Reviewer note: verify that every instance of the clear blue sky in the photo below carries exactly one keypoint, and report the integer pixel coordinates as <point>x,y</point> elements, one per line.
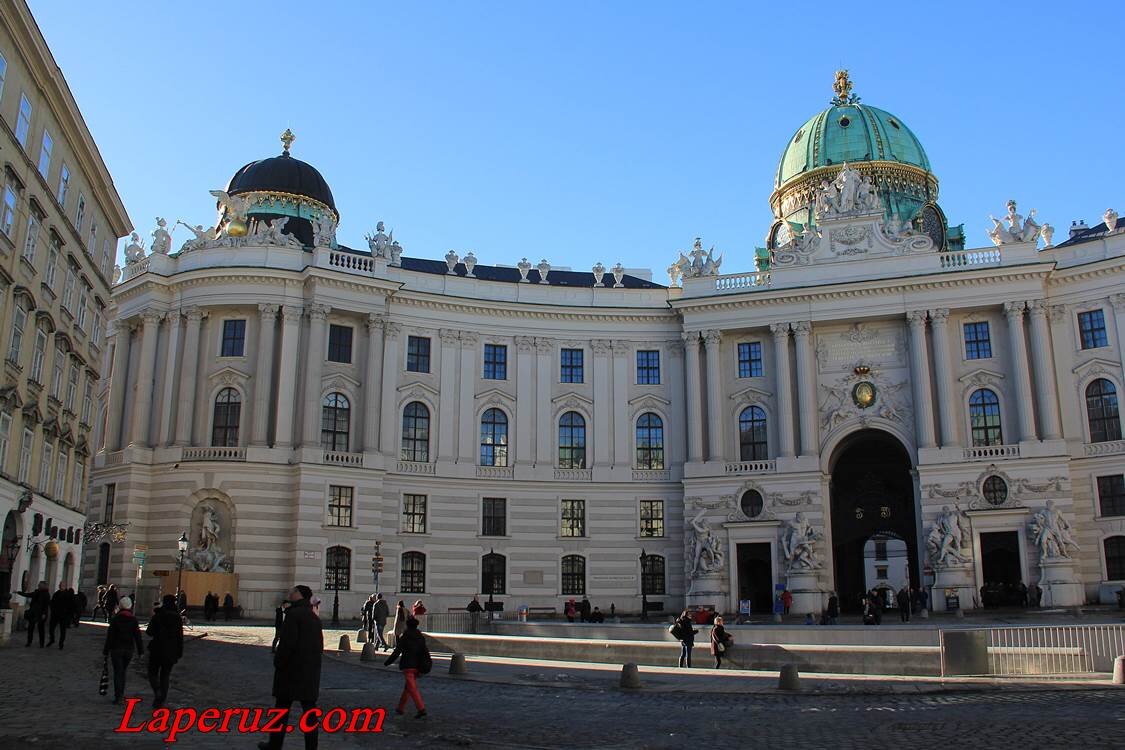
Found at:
<point>586,131</point>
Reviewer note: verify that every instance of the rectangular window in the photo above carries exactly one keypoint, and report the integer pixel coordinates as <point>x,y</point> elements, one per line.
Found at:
<point>340,344</point>
<point>68,290</point>
<point>414,514</point>
<point>45,467</point>
<point>750,359</point>
<point>8,215</point>
<point>60,475</point>
<point>52,266</point>
<point>83,303</point>
<point>80,213</point>
<point>648,367</point>
<point>1091,325</point>
<point>881,572</point>
<point>417,354</point>
<point>19,320</point>
<point>3,73</point>
<point>234,338</point>
<point>23,120</point>
<point>45,154</point>
<point>340,505</point>
<point>25,455</point>
<point>107,253</point>
<point>978,341</point>
<point>57,375</point>
<point>39,355</point>
<point>32,241</point>
<point>92,240</point>
<point>96,329</point>
<point>880,550</point>
<point>71,388</point>
<point>652,518</point>
<point>573,518</point>
<point>495,362</point>
<point>1111,495</point>
<point>64,184</point>
<point>572,365</point>
<point>494,517</point>
<point>5,438</point>
<point>110,498</point>
<point>87,401</point>
<point>78,487</point>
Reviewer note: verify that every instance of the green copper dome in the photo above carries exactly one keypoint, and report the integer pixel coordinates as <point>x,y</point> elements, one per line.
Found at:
<point>849,132</point>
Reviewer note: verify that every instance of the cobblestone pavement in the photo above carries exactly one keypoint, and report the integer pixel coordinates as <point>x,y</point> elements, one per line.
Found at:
<point>50,700</point>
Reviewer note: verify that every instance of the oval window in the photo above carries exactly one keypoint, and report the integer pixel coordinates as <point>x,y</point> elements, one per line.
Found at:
<point>844,121</point>
<point>995,490</point>
<point>752,504</point>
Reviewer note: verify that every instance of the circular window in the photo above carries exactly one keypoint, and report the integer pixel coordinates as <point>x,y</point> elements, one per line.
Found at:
<point>752,504</point>
<point>844,122</point>
<point>995,490</point>
<point>894,123</point>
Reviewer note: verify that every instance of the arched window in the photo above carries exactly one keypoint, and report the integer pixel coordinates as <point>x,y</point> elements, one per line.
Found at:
<point>335,420</point>
<point>752,444</point>
<point>1102,412</point>
<point>338,569</point>
<point>652,575</point>
<point>1115,558</point>
<point>228,412</point>
<point>494,438</point>
<point>574,575</point>
<point>413,573</point>
<point>492,574</point>
<point>572,441</point>
<point>650,441</point>
<point>984,418</point>
<point>416,432</point>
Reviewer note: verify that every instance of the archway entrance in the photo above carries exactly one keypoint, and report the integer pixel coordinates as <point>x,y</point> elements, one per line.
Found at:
<point>7,562</point>
<point>872,498</point>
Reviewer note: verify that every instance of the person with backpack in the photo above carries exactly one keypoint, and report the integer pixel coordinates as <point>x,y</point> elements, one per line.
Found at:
<point>415,661</point>
<point>683,631</point>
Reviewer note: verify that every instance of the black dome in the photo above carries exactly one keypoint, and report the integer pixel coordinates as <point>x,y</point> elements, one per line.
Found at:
<point>282,174</point>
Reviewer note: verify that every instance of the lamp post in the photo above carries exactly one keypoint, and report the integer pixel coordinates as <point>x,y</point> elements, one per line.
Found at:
<point>644,591</point>
<point>182,544</point>
<point>491,585</point>
<point>336,599</point>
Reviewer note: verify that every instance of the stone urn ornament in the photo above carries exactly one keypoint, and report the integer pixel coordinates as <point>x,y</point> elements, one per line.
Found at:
<point>524,266</point>
<point>544,268</point>
<point>451,261</point>
<point>599,273</point>
<point>618,274</point>
<point>470,262</point>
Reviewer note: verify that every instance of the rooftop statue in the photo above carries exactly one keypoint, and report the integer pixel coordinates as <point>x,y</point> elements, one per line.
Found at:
<point>202,237</point>
<point>161,239</point>
<point>324,230</point>
<point>135,250</point>
<point>1110,219</point>
<point>1018,230</point>
<point>848,194</point>
<point>236,208</point>
<point>698,262</point>
<point>379,242</point>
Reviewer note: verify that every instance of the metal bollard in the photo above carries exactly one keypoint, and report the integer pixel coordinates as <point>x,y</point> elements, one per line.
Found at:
<point>789,679</point>
<point>457,665</point>
<point>368,653</point>
<point>630,676</point>
<point>345,644</point>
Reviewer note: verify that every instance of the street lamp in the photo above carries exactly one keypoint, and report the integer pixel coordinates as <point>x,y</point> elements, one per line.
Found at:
<point>491,585</point>
<point>644,591</point>
<point>336,598</point>
<point>182,544</point>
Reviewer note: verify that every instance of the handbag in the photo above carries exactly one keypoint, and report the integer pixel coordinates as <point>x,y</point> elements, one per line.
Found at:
<point>720,647</point>
<point>103,684</point>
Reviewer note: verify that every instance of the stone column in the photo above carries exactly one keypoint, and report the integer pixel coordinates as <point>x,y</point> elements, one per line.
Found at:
<point>391,367</point>
<point>619,454</point>
<point>1118,301</point>
<point>694,397</point>
<point>142,405</point>
<point>948,402</point>
<point>373,382</point>
<point>189,369</point>
<point>806,388</point>
<point>520,444</point>
<point>1021,374</point>
<point>544,373</point>
<point>780,333</point>
<point>263,373</point>
<point>712,340</point>
<point>117,385</point>
<point>603,392</point>
<point>448,397</point>
<point>469,432</point>
<point>920,377</point>
<point>314,369</point>
<point>287,376</point>
<point>171,374</point>
<point>1046,388</point>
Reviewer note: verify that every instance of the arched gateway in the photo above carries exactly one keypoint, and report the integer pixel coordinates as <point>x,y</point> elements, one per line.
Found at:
<point>873,515</point>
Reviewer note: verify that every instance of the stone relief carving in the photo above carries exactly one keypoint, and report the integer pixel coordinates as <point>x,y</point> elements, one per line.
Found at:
<point>847,195</point>
<point>1051,533</point>
<point>948,538</point>
<point>838,405</point>
<point>798,544</point>
<point>1018,229</point>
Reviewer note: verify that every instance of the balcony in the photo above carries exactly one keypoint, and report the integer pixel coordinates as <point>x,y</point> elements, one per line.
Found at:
<point>339,458</point>
<point>1104,449</point>
<point>495,472</point>
<point>574,475</point>
<point>742,281</point>
<point>214,454</point>
<point>981,258</point>
<point>752,467</point>
<point>991,452</point>
<point>416,467</point>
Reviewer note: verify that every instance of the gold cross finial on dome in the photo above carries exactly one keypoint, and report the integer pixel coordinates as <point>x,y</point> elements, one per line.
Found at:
<point>287,139</point>
<point>843,88</point>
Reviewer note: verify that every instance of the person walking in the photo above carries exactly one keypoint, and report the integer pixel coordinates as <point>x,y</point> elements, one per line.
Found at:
<point>278,621</point>
<point>121,637</point>
<point>111,598</point>
<point>296,663</point>
<point>166,629</point>
<point>62,614</point>
<point>79,606</point>
<point>399,625</point>
<point>833,608</point>
<point>683,631</point>
<point>380,612</point>
<point>210,604</point>
<point>570,610</point>
<point>366,617</point>
<point>415,661</point>
<point>721,640</point>
<point>38,607</point>
<point>228,606</point>
<point>903,598</point>
<point>181,601</point>
<point>99,603</point>
<point>418,610</point>
<point>786,600</point>
<point>584,610</point>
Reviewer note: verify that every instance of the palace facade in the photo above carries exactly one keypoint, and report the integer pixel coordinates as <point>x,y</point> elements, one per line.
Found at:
<point>866,403</point>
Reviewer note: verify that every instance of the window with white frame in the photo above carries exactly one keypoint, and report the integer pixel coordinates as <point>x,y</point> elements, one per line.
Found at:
<point>414,514</point>
<point>87,400</point>
<point>45,467</point>
<point>68,290</point>
<point>52,265</point>
<point>38,355</point>
<point>80,213</point>
<point>23,120</point>
<point>71,387</point>
<point>8,211</point>
<point>77,487</point>
<point>26,446</point>
<point>5,438</point>
<point>92,240</point>
<point>64,184</point>
<point>83,301</point>
<point>31,242</point>
<point>60,473</point>
<point>3,72</point>
<point>57,375</point>
<point>19,321</point>
<point>107,253</point>
<point>45,154</point>
<point>340,505</point>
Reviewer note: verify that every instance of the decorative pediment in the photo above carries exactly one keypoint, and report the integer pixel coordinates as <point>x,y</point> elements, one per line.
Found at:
<point>649,401</point>
<point>572,400</point>
<point>341,381</point>
<point>751,395</point>
<point>82,447</point>
<point>418,390</point>
<point>10,397</point>
<point>981,377</point>
<point>496,397</point>
<point>228,376</point>
<point>31,414</point>
<point>1096,366</point>
<point>51,427</point>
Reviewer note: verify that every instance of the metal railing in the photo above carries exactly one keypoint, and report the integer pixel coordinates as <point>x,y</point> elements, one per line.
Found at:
<point>1046,650</point>
<point>990,452</point>
<point>456,622</point>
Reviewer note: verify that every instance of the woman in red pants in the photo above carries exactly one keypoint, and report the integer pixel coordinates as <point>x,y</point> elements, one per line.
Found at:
<point>415,661</point>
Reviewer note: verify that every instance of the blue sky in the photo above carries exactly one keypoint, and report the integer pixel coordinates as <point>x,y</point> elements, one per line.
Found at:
<point>584,132</point>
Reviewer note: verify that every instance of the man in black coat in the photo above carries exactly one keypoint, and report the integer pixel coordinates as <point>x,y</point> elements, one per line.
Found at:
<point>380,612</point>
<point>228,606</point>
<point>62,613</point>
<point>38,605</point>
<point>296,675</point>
<point>166,629</point>
<point>79,606</point>
<point>121,637</point>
